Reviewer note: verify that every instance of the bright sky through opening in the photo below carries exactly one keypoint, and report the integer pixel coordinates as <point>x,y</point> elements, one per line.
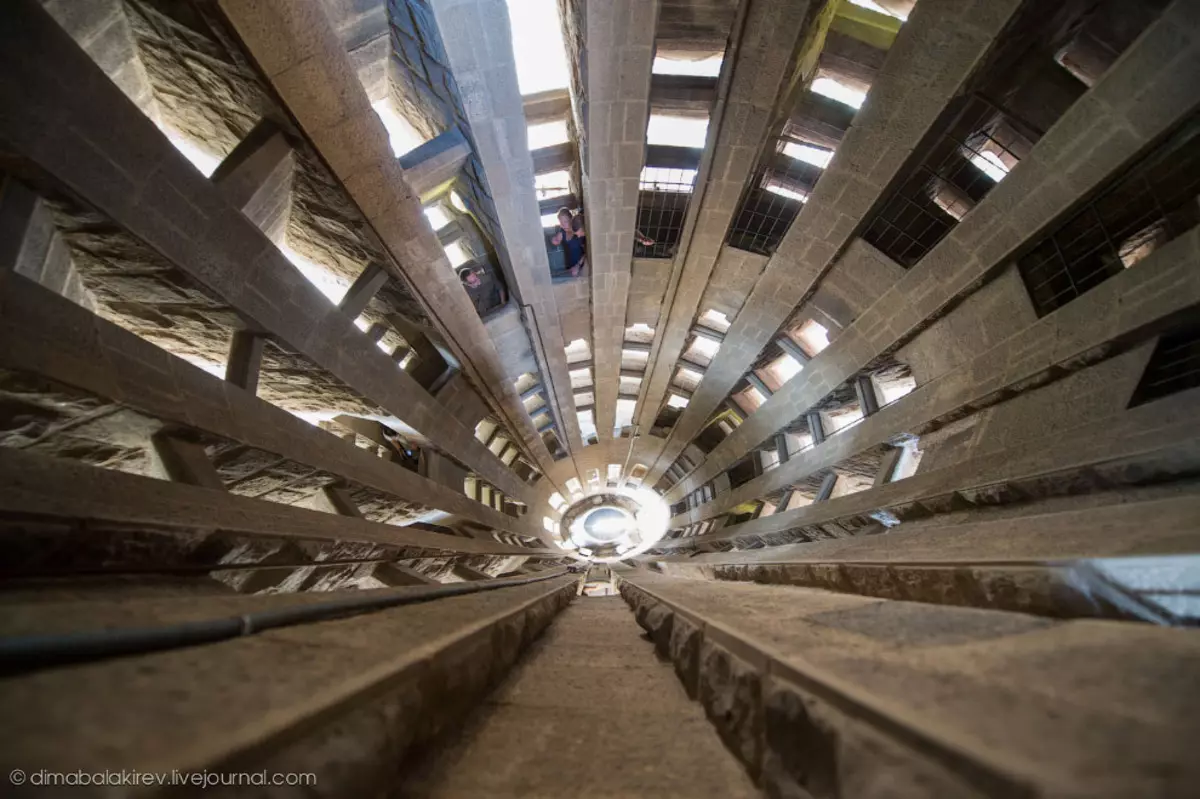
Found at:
<point>837,91</point>
<point>676,131</point>
<point>705,67</point>
<point>537,45</point>
<point>402,136</point>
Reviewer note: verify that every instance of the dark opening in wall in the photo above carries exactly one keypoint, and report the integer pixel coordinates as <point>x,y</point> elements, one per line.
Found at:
<point>666,419</point>
<point>1174,366</point>
<point>1137,212</point>
<point>744,470</point>
<point>737,517</point>
<point>553,445</point>
<point>710,437</point>
<point>974,147</point>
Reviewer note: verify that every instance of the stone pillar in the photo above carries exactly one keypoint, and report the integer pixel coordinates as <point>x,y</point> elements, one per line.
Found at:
<point>816,427</point>
<point>435,162</point>
<point>183,461</point>
<point>245,359</point>
<point>620,48</point>
<point>365,286</point>
<point>335,499</point>
<point>31,246</point>
<point>868,402</point>
<point>257,178</point>
<point>827,486</point>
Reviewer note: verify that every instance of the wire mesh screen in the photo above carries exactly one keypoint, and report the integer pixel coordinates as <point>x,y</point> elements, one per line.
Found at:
<point>1174,366</point>
<point>662,204</point>
<point>1150,204</point>
<point>775,198</point>
<point>976,147</point>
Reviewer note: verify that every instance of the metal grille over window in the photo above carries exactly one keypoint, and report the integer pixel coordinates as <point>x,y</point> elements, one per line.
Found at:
<point>1143,209</point>
<point>662,204</point>
<point>978,145</point>
<point>1174,366</point>
<point>775,198</point>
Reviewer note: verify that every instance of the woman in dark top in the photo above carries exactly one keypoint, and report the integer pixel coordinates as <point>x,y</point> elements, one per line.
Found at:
<point>573,238</point>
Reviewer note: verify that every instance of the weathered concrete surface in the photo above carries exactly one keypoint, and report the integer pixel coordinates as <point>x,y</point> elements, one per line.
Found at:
<point>1151,443</point>
<point>305,61</point>
<point>590,712</point>
<point>998,386</point>
<point>346,699</point>
<point>620,50</point>
<point>1031,557</point>
<point>756,69</point>
<point>1094,138</point>
<point>106,392</point>
<point>838,695</point>
<point>478,43</point>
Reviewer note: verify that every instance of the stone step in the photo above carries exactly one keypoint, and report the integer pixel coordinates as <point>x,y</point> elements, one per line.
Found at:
<point>589,712</point>
<point>825,694</point>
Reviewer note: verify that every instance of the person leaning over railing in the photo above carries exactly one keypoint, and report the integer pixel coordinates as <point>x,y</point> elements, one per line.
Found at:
<point>572,236</point>
<point>487,295</point>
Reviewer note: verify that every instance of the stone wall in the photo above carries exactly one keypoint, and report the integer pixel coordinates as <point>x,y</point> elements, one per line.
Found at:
<point>823,694</point>
<point>424,91</point>
<point>853,284</point>
<point>573,298</point>
<point>1091,394</point>
<point>201,87</point>
<point>734,275</point>
<point>647,283</point>
<point>998,310</point>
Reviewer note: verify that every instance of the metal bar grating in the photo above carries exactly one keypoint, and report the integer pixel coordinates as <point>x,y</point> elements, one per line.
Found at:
<point>663,198</point>
<point>1174,366</point>
<point>1141,210</point>
<point>771,205</point>
<point>977,146</point>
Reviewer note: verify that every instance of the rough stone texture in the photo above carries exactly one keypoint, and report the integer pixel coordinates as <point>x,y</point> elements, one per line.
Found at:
<point>620,47</point>
<point>179,206</point>
<point>1152,443</point>
<point>574,309</point>
<point>305,61</point>
<point>853,284</point>
<point>199,91</point>
<point>930,59</point>
<point>479,47</point>
<point>861,693</point>
<point>1078,399</point>
<point>593,692</point>
<point>984,319</point>
<point>734,274</point>
<point>416,669</point>
<point>41,416</point>
<point>1120,313</point>
<point>647,282</point>
<point>109,367</point>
